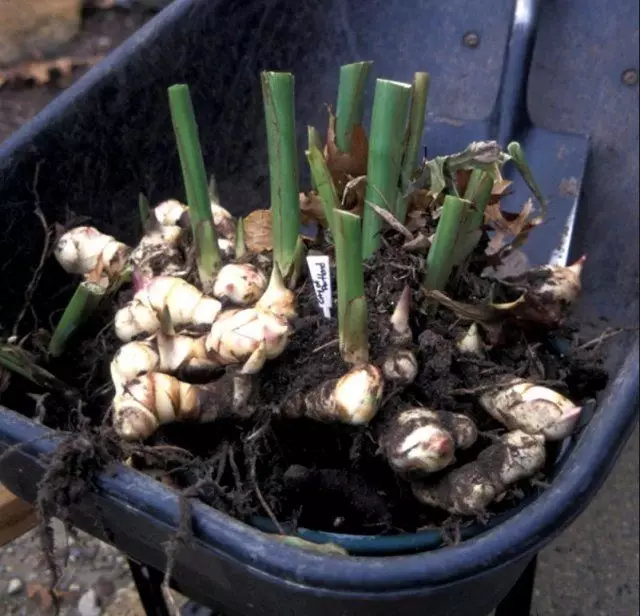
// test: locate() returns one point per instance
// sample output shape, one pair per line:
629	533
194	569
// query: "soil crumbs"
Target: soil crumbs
300	472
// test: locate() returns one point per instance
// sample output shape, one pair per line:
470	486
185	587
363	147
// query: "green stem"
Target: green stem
278	99
80	307
314	140
413	139
324	184
388	121
478	193
517	156
440	259
195	182
352	306
240	246
350	104
18	361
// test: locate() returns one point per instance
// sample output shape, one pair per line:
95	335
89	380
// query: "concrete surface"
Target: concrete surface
592	569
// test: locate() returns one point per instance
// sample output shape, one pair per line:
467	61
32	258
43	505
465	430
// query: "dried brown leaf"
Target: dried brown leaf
43	596
505	225
353	195
485	315
416	220
257	231
421	200
391	220
420	243
41	72
346	165
311	209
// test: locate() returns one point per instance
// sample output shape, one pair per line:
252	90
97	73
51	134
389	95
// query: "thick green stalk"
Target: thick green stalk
313	140
350	104
413	138
388	121
478	193
441	255
352	305
80	307
278	99
195	182
324	184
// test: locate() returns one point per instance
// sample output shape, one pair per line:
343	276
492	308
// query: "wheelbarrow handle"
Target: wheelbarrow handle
16	516
510	114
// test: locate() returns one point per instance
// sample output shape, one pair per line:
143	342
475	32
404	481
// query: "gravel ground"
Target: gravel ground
95	580
591	570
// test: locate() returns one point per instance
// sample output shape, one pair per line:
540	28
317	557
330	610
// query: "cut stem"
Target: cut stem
195	182
313	140
323	183
278	99
350	104
413	138
478	193
388	120
352	306
440	259
80	307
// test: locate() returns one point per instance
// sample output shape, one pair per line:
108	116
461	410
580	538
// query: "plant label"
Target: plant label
321	277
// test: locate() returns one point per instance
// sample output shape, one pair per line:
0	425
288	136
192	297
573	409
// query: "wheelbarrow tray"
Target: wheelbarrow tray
109	136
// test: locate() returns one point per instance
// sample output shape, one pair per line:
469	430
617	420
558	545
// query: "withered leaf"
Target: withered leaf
257	231
311	209
346	165
505	225
41	72
419	243
43	596
421	200
416	220
477	155
353	196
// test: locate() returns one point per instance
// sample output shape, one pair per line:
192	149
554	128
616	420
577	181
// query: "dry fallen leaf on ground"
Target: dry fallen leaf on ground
43	596
41	72
346	165
257	231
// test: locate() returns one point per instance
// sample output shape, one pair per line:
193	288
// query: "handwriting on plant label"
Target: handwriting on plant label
321	278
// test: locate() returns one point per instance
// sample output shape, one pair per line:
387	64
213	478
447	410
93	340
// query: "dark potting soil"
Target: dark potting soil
322	476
